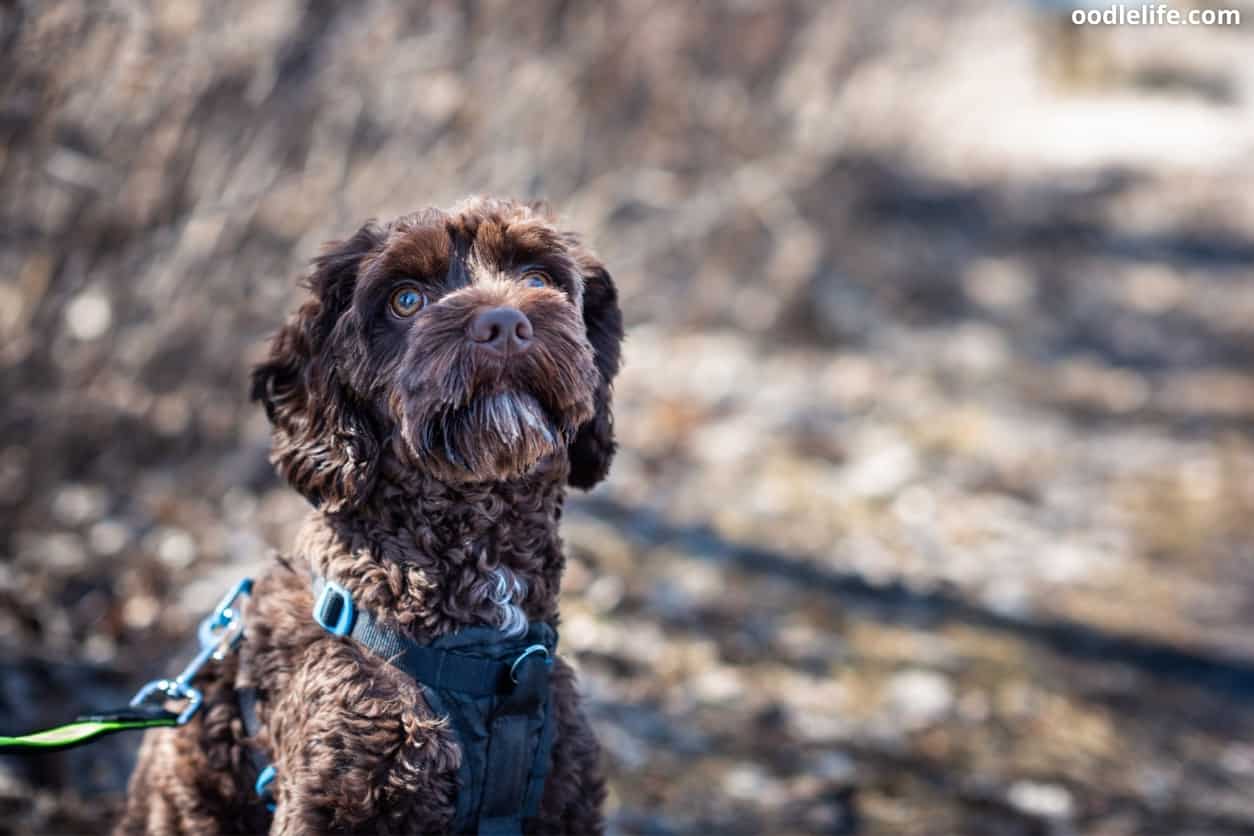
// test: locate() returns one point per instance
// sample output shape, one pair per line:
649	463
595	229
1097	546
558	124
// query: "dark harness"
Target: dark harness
495	690
493	687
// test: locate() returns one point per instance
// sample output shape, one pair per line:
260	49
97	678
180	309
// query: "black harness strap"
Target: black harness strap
263	772
429	665
509	750
247	699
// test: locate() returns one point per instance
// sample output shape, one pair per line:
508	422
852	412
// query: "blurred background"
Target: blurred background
934	506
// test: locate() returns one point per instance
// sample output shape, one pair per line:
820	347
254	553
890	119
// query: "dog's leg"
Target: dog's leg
191	779
158	802
574	791
357	749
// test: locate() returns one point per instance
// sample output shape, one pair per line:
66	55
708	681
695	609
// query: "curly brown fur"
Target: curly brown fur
438	470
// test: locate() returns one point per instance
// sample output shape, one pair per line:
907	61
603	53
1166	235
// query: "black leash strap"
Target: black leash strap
89	727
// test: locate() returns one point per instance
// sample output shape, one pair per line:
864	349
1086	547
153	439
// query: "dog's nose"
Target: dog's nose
501	330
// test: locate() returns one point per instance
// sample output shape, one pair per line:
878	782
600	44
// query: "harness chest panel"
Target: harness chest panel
494	688
505	738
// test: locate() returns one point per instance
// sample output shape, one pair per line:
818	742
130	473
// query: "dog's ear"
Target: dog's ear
593	447
326	443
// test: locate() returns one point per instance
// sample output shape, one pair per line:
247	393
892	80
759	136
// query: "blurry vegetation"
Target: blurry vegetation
933	510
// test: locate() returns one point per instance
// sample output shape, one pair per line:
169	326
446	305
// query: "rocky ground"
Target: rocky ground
933	509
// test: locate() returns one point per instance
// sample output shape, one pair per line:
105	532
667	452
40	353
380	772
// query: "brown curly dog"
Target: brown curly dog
448	378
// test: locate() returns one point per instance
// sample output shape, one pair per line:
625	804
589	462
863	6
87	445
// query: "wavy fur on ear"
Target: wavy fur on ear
326	444
593	447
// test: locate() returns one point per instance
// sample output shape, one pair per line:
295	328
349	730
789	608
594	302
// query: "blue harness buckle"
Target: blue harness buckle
334	610
262	787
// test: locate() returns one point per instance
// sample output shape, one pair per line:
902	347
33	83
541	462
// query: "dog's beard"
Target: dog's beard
480	424
497	435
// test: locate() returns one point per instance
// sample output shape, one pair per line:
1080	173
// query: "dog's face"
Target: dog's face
478	342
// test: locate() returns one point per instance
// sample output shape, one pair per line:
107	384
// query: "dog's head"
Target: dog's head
478	341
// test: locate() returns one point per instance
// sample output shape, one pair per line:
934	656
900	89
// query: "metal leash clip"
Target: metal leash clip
219	634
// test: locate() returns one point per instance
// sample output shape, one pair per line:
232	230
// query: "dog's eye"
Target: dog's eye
407	301
536	278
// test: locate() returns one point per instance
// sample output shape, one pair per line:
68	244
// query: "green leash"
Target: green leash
87	728
219	634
